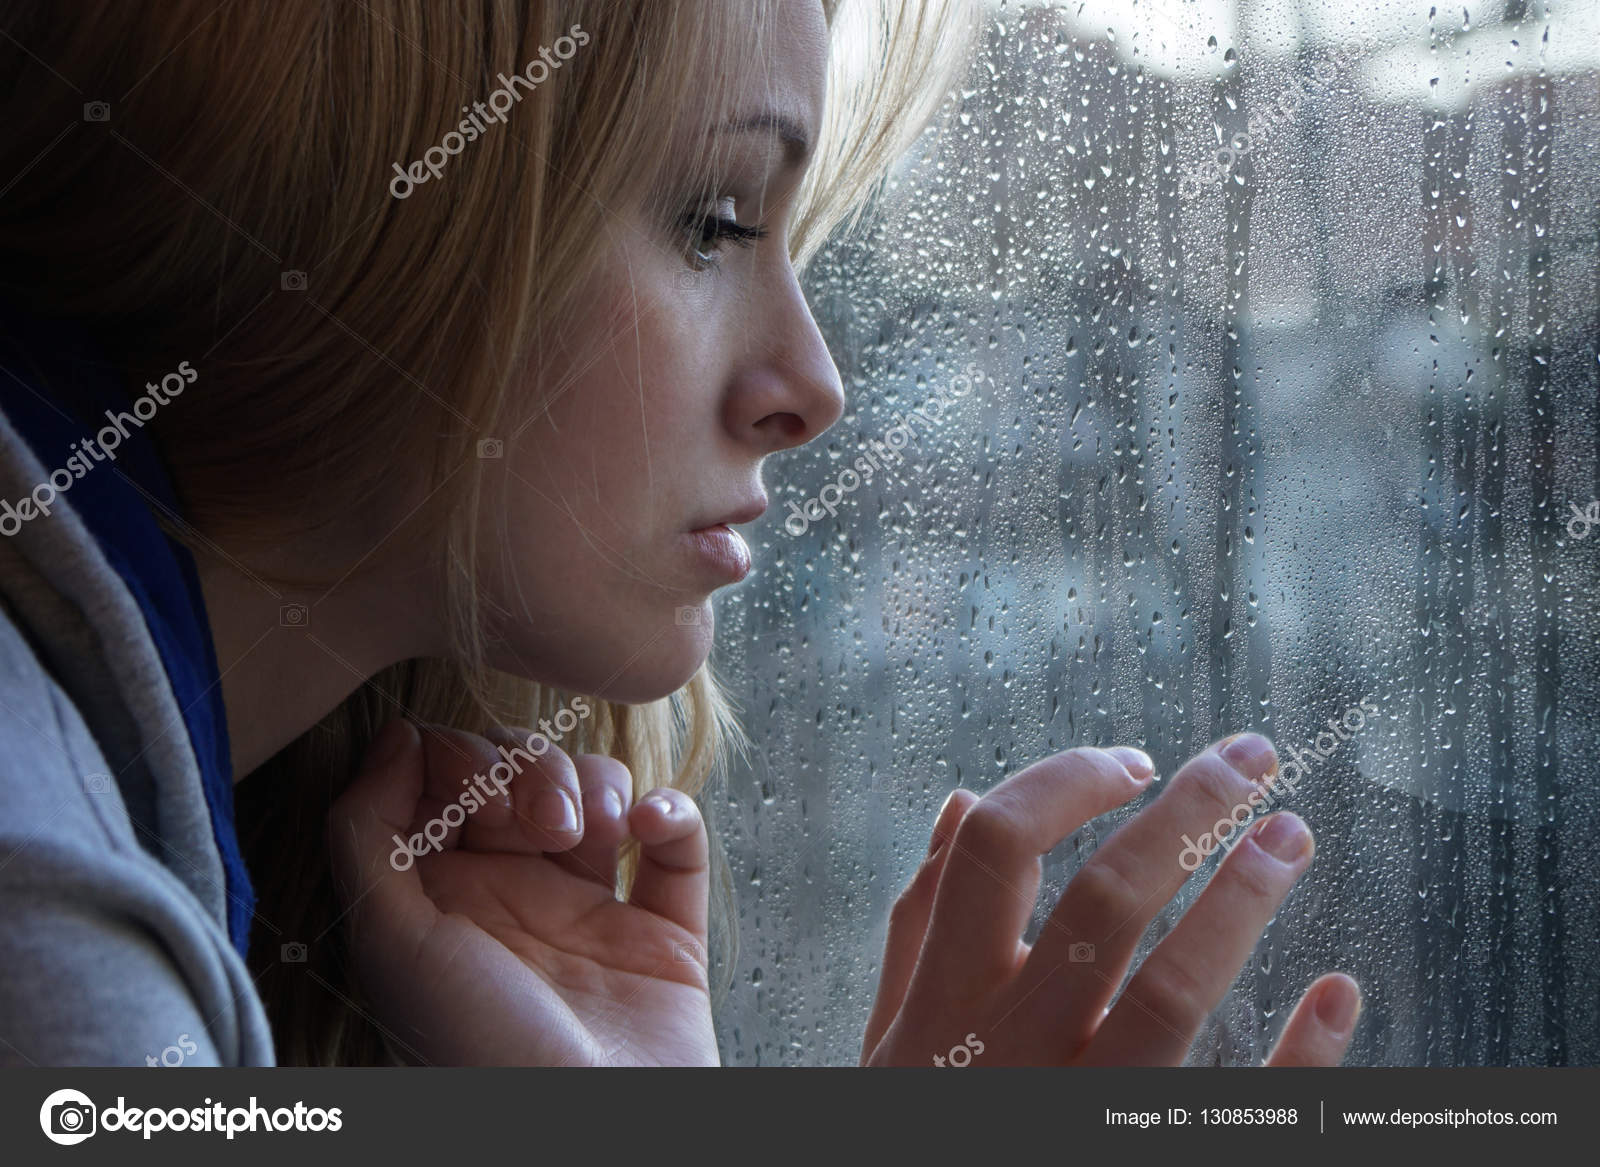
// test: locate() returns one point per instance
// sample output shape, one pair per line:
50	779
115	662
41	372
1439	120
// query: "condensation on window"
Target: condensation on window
1224	366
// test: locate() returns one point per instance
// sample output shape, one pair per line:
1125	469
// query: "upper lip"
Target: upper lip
747	513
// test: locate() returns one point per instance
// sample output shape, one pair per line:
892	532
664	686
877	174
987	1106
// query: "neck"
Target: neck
288	657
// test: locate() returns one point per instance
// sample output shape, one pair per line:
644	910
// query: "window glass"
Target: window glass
1224	366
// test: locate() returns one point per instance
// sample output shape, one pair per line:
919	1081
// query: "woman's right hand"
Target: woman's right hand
957	974
507	945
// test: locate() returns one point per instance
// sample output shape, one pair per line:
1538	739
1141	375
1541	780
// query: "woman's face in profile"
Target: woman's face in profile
692	355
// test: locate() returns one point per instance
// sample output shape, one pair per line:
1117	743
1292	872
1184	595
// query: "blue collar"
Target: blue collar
119	511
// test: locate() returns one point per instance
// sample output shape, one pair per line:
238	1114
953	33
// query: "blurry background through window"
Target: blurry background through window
1255	347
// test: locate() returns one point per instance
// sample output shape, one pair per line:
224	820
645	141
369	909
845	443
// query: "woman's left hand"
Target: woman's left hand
955	963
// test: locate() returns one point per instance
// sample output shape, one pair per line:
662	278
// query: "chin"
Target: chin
630	664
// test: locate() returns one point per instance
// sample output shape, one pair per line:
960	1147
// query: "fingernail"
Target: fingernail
1283	836
941	829
554	810
1138	762
1250	754
604	803
1338	1004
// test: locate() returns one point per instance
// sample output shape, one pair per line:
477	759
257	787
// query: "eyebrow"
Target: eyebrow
791	133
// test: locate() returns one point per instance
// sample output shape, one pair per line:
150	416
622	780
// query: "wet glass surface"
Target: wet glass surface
1253	350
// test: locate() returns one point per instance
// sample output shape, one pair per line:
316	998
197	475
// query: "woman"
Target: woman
483	324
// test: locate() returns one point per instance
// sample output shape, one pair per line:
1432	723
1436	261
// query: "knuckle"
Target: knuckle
990	829
1213	784
910	904
554	767
603	769
1172	991
522	736
1104	892
1247	874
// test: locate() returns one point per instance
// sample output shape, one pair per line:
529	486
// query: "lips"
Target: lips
719	550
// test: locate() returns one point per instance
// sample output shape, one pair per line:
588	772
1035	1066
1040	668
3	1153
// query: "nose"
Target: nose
787	391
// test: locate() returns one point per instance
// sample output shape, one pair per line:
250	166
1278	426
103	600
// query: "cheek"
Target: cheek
634	402
601	458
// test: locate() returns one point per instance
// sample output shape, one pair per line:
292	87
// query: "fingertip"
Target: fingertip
387	786
556	813
1285	836
604	816
956	805
1250	754
662	815
397	738
1136	762
1338	1003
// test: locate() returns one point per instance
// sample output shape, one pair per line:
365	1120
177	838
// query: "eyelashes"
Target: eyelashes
707	234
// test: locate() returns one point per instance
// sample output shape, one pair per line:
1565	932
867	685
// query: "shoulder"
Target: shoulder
109	958
51	770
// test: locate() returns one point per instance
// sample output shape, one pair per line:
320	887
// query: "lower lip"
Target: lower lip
721	549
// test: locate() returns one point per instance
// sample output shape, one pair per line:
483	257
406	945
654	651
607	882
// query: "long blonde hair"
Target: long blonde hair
233	208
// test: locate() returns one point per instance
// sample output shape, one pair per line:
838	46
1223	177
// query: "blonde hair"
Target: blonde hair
261	138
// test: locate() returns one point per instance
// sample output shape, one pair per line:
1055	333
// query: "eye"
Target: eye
707	232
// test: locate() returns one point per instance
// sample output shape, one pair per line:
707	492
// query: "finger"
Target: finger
673	879
1155	1020
1085	947
1320	1030
607	792
452	760
374	866
991	878
908	921
542	810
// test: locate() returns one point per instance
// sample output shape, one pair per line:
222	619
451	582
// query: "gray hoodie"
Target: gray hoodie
114	944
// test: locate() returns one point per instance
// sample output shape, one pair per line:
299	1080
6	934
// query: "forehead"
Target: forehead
786	75
752	99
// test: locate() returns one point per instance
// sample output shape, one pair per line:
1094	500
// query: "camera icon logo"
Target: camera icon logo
67	1117
689	615
292	953
690	953
686	280
97	783
97	111
1081	953
294	616
491	448
293	281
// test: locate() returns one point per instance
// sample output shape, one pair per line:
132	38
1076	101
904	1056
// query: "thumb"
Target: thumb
374	868
673	877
